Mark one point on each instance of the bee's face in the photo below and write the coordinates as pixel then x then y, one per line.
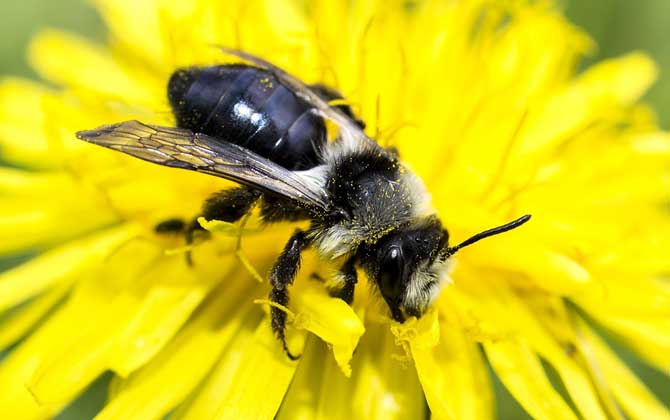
pixel 408 267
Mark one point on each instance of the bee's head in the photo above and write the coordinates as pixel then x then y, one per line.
pixel 409 265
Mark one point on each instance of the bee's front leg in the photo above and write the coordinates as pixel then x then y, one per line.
pixel 282 275
pixel 348 278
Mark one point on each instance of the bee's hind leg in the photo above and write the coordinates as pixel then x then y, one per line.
pixel 228 205
pixel 282 275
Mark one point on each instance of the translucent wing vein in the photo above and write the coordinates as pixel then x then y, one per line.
pixel 184 149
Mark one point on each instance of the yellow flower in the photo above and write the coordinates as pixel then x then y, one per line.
pixel 482 101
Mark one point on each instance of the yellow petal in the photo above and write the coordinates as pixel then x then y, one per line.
pixel 98 311
pixel 61 377
pixel 647 336
pixel 20 182
pixel 577 383
pixel 286 19
pixel 19 322
pixel 546 329
pixel 60 265
pixel 78 330
pixel 75 62
pixel 616 82
pixel 421 333
pixel 386 384
pixel 637 401
pixel 548 269
pixel 331 319
pixel 129 22
pixel 303 398
pixel 454 377
pixel 250 380
pixel 627 77
pixel 167 305
pixel 653 144
pixel 169 377
pixel 521 372
pixel 649 298
pixel 383 384
pixel 21 133
pixel 30 221
pixel 19 366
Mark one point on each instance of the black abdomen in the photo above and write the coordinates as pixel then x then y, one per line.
pixel 248 106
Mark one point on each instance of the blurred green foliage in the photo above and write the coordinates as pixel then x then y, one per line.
pixel 617 26
pixel 19 20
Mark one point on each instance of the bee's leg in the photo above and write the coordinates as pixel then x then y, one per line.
pixel 349 278
pixel 282 275
pixel 274 209
pixel 168 226
pixel 228 205
pixel 179 226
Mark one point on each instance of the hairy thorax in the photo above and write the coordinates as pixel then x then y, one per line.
pixel 372 194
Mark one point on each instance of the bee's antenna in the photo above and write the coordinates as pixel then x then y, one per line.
pixel 494 231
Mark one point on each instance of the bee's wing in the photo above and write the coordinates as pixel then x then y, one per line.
pixel 184 149
pixel 331 113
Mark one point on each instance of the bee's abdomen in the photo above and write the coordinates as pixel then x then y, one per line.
pixel 248 106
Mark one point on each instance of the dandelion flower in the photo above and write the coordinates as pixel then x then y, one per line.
pixel 482 100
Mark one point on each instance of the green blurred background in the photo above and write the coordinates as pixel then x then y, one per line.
pixel 617 26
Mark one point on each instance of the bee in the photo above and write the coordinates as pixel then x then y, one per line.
pixel 257 125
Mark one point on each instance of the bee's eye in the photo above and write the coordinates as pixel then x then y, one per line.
pixel 391 272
